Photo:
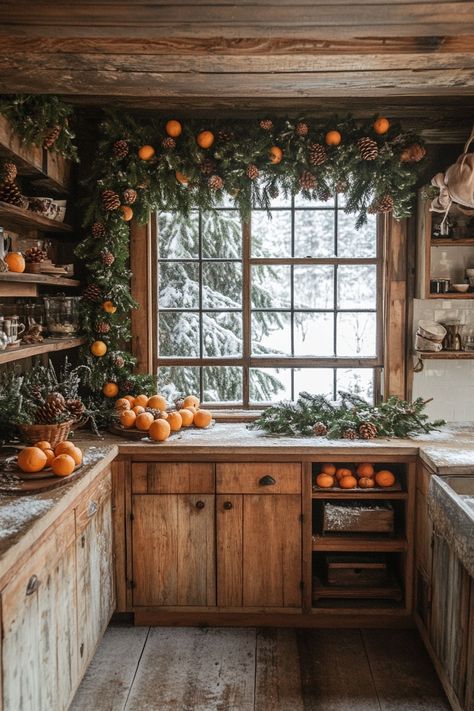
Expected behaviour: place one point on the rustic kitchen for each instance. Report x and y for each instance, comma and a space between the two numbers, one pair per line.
236, 356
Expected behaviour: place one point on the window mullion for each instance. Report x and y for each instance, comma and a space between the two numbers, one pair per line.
246, 309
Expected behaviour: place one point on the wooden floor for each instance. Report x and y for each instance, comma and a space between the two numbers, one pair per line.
226, 669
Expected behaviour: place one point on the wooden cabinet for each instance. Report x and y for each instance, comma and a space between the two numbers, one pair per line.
423, 547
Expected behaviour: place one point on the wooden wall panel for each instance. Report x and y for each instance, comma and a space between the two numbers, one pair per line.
395, 315
141, 265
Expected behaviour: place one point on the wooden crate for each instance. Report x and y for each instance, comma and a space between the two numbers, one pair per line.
358, 517
356, 569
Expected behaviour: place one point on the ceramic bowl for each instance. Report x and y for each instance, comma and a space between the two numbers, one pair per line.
432, 331
460, 288
423, 344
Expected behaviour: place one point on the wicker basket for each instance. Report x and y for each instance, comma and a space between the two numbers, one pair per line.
54, 434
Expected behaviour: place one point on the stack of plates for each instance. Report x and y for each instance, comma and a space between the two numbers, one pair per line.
429, 336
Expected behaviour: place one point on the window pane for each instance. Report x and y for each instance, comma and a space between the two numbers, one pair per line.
222, 384
314, 287
271, 333
314, 334
270, 384
271, 287
178, 285
222, 285
178, 381
271, 236
221, 235
178, 237
317, 381
357, 380
356, 334
356, 243
178, 335
222, 334
314, 233
357, 286
301, 201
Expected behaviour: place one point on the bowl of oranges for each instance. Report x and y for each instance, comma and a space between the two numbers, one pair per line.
152, 418
42, 460
362, 477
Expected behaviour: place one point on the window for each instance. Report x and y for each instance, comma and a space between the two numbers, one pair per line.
253, 313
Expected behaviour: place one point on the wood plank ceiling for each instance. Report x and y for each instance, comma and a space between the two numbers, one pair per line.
408, 59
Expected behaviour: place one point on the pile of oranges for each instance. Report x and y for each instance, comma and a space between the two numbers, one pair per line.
363, 476
150, 415
63, 459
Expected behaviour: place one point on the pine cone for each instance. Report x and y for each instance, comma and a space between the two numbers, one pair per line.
317, 154
168, 143
76, 408
127, 386
324, 195
35, 255
349, 434
110, 200
368, 148
119, 361
252, 171
10, 193
413, 153
341, 186
51, 136
36, 392
367, 430
9, 172
215, 182
129, 196
102, 327
98, 230
266, 124
53, 408
225, 134
179, 403
207, 166
107, 257
156, 413
273, 192
120, 148
92, 293
320, 429
383, 204
301, 128
307, 180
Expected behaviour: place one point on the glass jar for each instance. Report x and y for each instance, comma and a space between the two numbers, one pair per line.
62, 315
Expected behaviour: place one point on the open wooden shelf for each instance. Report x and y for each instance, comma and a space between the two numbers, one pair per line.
42, 279
12, 216
445, 355
392, 590
362, 544
452, 295
446, 242
351, 494
49, 345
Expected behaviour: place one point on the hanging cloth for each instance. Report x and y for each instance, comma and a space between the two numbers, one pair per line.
456, 185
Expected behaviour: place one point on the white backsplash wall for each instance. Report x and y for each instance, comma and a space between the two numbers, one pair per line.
449, 382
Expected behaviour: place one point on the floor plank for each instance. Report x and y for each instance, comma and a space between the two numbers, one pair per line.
278, 674
334, 671
109, 678
402, 671
189, 669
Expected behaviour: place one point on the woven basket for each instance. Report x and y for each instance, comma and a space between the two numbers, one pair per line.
54, 434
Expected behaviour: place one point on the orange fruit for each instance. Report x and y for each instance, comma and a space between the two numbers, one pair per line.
366, 482
187, 417
275, 155
98, 348
181, 178
348, 482
127, 213
385, 478
110, 389
63, 465
15, 261
205, 139
342, 472
159, 430
325, 481
173, 128
109, 307
202, 418
32, 459
157, 402
141, 400
127, 418
146, 152
138, 409
42, 444
191, 400
130, 398
123, 403
64, 447
333, 138
192, 409
365, 469
143, 421
381, 126
49, 456
76, 454
328, 469
175, 421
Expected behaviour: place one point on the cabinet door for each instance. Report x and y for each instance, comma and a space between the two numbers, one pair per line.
173, 549
95, 580
259, 550
39, 647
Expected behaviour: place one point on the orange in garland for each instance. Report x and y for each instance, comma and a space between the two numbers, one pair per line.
381, 126
146, 152
333, 138
109, 307
99, 349
275, 155
110, 389
127, 213
173, 128
181, 178
205, 139
15, 261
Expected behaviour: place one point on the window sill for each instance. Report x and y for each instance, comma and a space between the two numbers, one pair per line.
235, 415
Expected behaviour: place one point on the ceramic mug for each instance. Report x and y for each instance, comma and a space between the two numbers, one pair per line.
13, 328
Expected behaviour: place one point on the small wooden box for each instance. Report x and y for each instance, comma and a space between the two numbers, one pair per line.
353, 569
358, 517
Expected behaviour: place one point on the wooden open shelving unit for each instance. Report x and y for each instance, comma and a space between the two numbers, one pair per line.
40, 279
49, 345
445, 355
18, 217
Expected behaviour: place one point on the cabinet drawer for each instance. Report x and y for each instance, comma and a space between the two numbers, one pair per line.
92, 502
261, 478
173, 478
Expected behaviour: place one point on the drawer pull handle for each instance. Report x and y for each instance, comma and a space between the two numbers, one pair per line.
33, 585
200, 504
228, 505
92, 508
267, 480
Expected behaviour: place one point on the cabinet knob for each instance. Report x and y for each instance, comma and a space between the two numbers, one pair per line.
33, 585
266, 480
228, 505
92, 508
200, 504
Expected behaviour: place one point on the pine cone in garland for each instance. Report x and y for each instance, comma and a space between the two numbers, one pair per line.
273, 192
98, 230
107, 257
168, 143
349, 434
53, 408
10, 193
9, 172
383, 204
225, 134
307, 181
341, 186
252, 171
110, 200
120, 148
367, 430
119, 361
320, 429
207, 166
51, 136
412, 153
102, 327
301, 128
266, 124
35, 255
76, 408
368, 148
215, 182
317, 154
127, 386
92, 293
324, 195
129, 196
36, 392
